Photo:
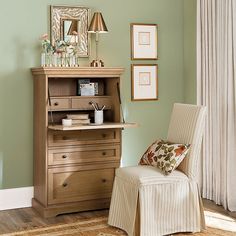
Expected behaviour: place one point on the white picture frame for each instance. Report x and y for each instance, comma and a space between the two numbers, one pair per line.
143, 41
144, 82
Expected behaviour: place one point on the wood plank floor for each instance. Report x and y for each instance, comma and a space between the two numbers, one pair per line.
26, 218
20, 219
210, 205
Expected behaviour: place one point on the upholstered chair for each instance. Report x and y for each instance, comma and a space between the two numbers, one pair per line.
146, 202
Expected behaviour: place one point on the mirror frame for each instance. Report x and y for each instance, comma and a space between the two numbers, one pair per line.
82, 14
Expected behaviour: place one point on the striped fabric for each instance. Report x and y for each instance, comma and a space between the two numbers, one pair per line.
166, 204
186, 126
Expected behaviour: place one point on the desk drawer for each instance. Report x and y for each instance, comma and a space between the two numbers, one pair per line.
70, 186
64, 138
82, 103
60, 103
84, 154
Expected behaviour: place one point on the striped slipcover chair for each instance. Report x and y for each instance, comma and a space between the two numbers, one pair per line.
145, 202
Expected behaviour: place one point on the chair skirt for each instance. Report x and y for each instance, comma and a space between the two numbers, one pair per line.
160, 204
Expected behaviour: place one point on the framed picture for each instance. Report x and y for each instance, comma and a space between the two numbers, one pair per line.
65, 20
143, 41
144, 81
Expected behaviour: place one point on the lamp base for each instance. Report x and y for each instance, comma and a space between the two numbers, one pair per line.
97, 63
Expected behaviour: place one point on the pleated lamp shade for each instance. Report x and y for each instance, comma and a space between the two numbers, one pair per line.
97, 24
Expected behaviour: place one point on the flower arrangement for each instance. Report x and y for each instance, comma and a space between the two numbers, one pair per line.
46, 44
61, 54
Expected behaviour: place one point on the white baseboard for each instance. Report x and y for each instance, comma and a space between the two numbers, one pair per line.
16, 198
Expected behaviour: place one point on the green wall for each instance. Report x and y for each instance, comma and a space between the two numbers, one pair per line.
190, 7
21, 24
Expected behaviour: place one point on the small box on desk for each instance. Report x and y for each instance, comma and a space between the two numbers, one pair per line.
87, 89
98, 86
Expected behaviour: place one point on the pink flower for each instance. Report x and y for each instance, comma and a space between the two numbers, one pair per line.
58, 50
44, 37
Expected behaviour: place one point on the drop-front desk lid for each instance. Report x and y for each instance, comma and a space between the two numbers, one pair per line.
94, 126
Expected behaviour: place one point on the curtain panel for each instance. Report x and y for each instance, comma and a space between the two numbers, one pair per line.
216, 89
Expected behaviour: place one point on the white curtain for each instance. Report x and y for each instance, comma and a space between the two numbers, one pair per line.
216, 88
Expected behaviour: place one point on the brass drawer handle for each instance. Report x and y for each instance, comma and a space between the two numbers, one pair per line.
104, 135
72, 139
64, 185
104, 153
56, 104
64, 156
65, 138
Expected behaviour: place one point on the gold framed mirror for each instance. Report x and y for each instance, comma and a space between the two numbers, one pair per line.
68, 19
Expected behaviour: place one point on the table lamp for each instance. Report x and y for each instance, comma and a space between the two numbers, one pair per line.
97, 26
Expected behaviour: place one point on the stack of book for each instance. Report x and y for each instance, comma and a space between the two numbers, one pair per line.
79, 119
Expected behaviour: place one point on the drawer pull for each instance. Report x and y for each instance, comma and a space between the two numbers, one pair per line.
64, 156
65, 138
104, 135
70, 138
104, 180
56, 103
64, 185
104, 153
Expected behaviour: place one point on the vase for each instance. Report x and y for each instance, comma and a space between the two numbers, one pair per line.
63, 59
76, 60
43, 59
59, 59
54, 59
67, 60
49, 59
70, 60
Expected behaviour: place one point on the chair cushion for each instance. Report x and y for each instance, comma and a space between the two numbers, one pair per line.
148, 175
165, 155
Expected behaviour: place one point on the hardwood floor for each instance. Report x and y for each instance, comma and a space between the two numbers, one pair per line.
20, 219
210, 205
26, 218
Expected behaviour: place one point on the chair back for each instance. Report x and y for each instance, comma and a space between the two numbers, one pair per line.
186, 126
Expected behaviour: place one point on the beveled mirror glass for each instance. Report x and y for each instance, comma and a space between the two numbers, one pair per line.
65, 20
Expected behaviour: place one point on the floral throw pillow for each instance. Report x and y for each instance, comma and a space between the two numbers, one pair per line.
165, 155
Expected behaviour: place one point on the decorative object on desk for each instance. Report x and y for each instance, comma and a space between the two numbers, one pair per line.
87, 89
61, 54
46, 50
79, 119
66, 122
96, 106
97, 86
82, 81
98, 113
98, 117
60, 50
66, 53
143, 41
65, 20
78, 116
144, 82
97, 26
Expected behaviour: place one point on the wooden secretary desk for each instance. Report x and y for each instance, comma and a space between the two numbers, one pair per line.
74, 166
